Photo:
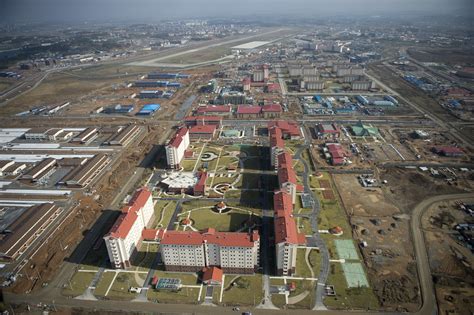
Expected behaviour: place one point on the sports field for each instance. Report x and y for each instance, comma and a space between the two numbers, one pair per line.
346, 250
355, 276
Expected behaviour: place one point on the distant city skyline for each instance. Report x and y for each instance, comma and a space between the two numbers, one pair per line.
154, 10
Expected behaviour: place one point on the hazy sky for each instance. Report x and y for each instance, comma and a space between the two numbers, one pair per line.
154, 10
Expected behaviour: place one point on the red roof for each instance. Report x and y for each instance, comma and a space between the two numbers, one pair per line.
233, 239
276, 139
284, 224
214, 109
287, 127
129, 214
328, 128
449, 150
178, 137
273, 87
201, 184
285, 159
212, 274
246, 80
203, 129
336, 151
150, 234
282, 203
244, 109
286, 172
273, 108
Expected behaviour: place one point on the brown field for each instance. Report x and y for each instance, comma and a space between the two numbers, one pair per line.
328, 194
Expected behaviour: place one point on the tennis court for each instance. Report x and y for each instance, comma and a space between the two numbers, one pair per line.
346, 250
355, 276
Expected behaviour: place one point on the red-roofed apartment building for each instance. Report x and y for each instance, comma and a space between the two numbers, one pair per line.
289, 129
191, 251
203, 120
287, 176
277, 145
203, 132
176, 148
287, 238
337, 154
328, 131
126, 233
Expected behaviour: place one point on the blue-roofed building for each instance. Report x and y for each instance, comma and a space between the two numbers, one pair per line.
318, 98
454, 103
174, 85
148, 109
362, 99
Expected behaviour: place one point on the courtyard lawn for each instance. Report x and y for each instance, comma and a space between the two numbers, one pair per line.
145, 256
188, 165
251, 292
225, 222
163, 212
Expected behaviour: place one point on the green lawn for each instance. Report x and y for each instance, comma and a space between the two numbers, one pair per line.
145, 257
252, 295
104, 283
304, 226
121, 286
164, 210
188, 165
235, 193
277, 282
302, 269
79, 282
185, 295
224, 161
278, 300
230, 221
354, 298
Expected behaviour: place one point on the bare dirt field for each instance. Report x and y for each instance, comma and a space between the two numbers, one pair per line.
360, 201
407, 187
442, 55
389, 253
451, 262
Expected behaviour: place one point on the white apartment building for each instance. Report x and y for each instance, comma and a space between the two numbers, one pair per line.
287, 176
191, 251
125, 235
276, 145
287, 238
176, 148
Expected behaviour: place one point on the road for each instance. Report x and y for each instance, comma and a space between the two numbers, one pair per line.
429, 306
324, 271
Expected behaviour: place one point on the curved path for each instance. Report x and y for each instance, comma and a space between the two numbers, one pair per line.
428, 297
